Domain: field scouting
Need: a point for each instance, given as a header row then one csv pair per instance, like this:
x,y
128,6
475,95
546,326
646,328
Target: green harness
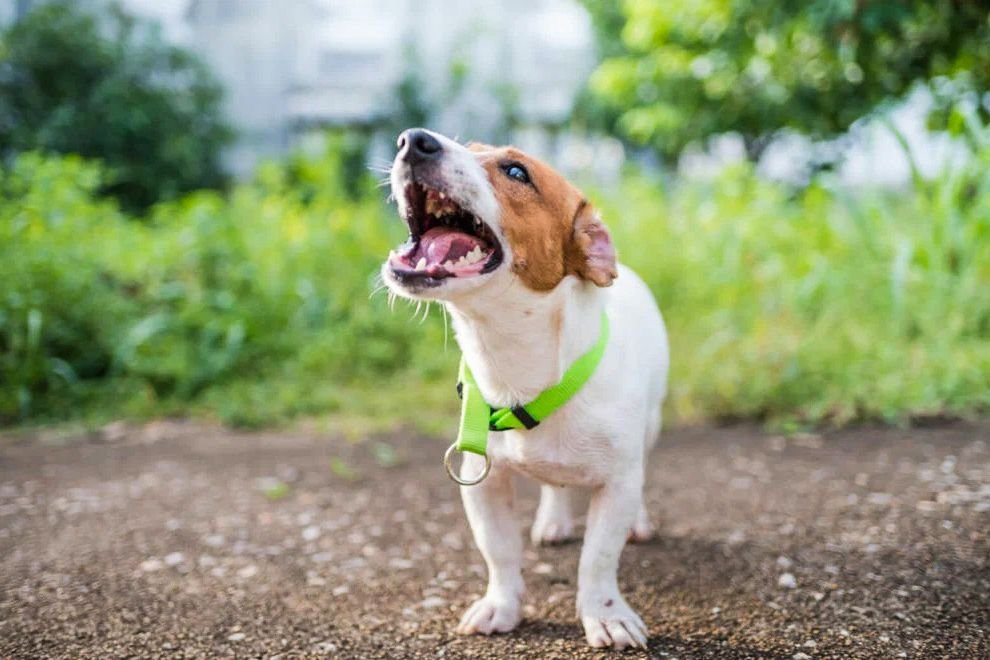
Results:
x,y
478,418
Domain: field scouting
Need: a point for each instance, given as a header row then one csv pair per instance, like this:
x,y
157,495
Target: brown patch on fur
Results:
x,y
552,229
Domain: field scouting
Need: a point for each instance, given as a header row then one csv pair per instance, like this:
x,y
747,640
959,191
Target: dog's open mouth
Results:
x,y
445,240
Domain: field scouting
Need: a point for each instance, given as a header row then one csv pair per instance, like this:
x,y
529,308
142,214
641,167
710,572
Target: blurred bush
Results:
x,y
107,86
824,305
255,306
679,71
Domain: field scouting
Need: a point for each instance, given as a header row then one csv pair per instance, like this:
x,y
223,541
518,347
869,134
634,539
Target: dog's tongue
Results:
x,y
442,244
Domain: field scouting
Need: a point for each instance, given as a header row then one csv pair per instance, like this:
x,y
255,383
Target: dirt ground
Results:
x,y
177,540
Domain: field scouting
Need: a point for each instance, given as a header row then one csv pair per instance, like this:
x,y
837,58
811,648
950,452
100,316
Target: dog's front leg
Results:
x,y
497,532
607,618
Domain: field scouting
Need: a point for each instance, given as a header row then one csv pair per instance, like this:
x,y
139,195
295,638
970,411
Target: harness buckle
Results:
x,y
527,420
523,416
491,424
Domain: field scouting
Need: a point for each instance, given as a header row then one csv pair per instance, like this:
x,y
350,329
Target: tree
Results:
x,y
108,87
689,69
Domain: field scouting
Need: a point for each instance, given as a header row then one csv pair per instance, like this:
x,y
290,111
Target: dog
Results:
x,y
526,268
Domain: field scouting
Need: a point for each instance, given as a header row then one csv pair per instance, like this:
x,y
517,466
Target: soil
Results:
x,y
183,540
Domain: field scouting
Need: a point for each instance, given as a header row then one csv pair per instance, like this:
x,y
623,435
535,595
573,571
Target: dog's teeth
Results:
x,y
474,256
477,223
421,264
448,265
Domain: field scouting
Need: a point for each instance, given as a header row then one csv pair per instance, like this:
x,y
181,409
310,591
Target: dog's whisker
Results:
x,y
378,289
377,285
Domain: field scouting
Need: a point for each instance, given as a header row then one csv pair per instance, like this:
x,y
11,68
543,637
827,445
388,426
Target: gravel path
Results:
x,y
176,540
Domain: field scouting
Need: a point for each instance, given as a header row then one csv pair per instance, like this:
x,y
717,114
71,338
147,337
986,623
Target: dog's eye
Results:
x,y
517,172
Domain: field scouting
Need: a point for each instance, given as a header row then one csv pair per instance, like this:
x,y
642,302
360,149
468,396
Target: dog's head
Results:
x,y
479,215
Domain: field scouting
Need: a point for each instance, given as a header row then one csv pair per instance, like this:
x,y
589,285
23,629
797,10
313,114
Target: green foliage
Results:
x,y
255,306
341,469
825,306
277,490
680,71
109,88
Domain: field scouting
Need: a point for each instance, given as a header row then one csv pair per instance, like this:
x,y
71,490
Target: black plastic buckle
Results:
x,y
521,413
523,416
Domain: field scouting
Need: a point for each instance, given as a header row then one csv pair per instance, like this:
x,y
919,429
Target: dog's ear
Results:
x,y
590,253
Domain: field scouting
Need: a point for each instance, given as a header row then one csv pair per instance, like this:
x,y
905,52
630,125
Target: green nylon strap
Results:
x,y
478,418
472,433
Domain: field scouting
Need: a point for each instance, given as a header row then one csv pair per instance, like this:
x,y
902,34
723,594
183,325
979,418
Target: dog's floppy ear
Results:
x,y
590,253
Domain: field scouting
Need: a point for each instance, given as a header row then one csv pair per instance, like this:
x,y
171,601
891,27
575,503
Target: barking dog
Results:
x,y
527,270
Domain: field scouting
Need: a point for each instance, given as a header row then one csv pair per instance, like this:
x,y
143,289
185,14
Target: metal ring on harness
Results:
x,y
448,455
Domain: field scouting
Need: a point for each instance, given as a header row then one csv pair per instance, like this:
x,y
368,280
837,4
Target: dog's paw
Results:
x,y
554,522
490,615
643,530
547,531
613,624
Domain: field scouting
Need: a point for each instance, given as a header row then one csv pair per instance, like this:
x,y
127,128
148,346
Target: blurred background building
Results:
x,y
467,67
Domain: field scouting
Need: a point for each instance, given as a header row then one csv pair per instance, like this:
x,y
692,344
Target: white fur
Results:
x,y
599,440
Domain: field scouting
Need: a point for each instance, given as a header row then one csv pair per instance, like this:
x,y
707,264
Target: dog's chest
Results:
x,y
555,454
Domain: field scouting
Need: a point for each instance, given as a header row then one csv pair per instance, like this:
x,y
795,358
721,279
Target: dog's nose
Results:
x,y
417,145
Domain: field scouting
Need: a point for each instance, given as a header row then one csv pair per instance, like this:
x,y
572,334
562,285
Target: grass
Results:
x,y
258,307
826,306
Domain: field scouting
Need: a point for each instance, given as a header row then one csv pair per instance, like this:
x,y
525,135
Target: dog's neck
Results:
x,y
520,342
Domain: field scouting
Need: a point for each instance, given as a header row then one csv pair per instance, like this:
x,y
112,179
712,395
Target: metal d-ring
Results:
x,y
453,475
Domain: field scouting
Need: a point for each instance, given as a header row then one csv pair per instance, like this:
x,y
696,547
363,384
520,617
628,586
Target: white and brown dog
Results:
x,y
525,267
